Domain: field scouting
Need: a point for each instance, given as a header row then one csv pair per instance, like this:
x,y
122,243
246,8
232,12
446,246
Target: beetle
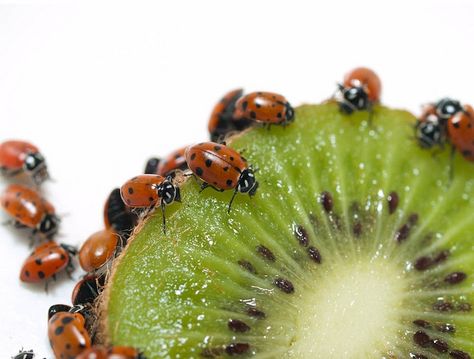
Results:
x,y
67,334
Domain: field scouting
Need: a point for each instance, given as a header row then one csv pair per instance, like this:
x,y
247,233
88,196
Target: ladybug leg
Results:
x,y
46,286
204,185
232,200
162,205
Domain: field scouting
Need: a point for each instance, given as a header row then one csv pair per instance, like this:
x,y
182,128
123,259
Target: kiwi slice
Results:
x,y
358,244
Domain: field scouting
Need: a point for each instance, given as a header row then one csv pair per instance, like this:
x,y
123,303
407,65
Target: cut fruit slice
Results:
x,y
356,245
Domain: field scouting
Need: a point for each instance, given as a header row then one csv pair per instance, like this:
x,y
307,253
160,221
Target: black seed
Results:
x,y
417,356
253,115
193,156
402,233
443,306
208,163
458,354
464,307
199,171
237,348
455,278
67,320
413,219
229,182
38,261
41,274
441,257
285,285
439,345
423,263
254,312
357,229
212,352
393,201
247,265
301,235
326,200
446,328
314,254
27,273
217,148
266,253
422,339
422,323
59,330
130,190
238,326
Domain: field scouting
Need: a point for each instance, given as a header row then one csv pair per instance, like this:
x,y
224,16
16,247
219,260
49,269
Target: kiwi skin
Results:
x,y
338,198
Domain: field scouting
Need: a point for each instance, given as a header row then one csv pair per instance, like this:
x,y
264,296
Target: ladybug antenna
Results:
x,y
232,200
164,217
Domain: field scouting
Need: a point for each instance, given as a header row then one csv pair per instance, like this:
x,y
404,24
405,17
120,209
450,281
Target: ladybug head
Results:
x,y
36,165
352,99
289,113
49,225
168,191
56,308
447,107
247,182
429,133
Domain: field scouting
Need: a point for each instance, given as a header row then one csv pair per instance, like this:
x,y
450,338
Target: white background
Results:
x,y
101,87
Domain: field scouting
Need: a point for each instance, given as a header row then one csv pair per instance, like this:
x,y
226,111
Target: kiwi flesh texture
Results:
x,y
358,244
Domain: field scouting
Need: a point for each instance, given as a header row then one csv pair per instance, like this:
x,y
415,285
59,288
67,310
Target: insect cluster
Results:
x,y
72,328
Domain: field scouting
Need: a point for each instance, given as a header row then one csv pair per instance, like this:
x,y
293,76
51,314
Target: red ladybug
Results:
x,y
461,132
148,191
360,90
28,209
221,120
67,335
221,168
22,157
118,216
264,107
115,352
47,260
98,249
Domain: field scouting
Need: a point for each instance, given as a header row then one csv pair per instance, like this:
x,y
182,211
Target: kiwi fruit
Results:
x,y
358,244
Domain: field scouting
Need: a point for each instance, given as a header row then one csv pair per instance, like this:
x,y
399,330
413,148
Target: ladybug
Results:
x,y
87,289
447,107
22,157
47,260
148,191
221,120
174,161
264,107
359,91
461,132
67,335
98,249
57,308
430,129
30,210
118,216
221,168
151,166
25,354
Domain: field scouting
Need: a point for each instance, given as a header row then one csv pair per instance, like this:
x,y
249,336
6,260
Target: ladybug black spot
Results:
x,y
41,274
258,105
193,156
229,182
279,115
456,124
217,148
151,199
67,320
226,168
208,163
244,105
231,158
27,273
130,190
18,194
59,330
199,171
63,257
68,346
253,115
38,261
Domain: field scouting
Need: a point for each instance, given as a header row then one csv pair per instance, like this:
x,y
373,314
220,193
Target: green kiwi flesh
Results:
x,y
357,244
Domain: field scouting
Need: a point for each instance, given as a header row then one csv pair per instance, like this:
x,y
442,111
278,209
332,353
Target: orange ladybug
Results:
x,y
221,168
47,260
148,191
23,157
28,209
67,335
98,249
360,89
115,352
221,120
461,132
264,107
174,161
